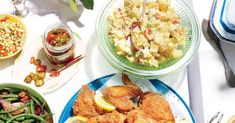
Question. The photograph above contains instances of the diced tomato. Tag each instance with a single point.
(1, 47)
(41, 68)
(50, 37)
(4, 19)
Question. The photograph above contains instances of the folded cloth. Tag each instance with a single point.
(215, 42)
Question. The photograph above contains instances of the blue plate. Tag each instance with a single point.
(178, 106)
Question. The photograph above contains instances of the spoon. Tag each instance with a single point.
(56, 72)
(137, 24)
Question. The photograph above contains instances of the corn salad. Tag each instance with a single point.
(11, 37)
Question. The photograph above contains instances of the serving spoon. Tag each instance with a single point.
(137, 24)
(56, 72)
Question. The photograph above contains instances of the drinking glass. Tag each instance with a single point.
(20, 8)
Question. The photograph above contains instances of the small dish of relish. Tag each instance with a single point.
(59, 44)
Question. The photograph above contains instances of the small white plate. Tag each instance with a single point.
(22, 66)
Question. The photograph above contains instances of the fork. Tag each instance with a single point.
(218, 116)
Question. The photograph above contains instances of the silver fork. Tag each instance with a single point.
(218, 116)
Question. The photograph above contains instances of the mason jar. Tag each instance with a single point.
(62, 53)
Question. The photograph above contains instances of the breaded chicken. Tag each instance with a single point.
(85, 105)
(157, 107)
(113, 117)
(138, 116)
(120, 95)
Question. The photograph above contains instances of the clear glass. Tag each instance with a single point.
(62, 54)
(20, 8)
(188, 20)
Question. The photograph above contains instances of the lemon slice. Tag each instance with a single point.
(232, 119)
(100, 101)
(77, 119)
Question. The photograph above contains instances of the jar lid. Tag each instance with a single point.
(223, 18)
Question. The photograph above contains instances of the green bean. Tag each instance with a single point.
(9, 96)
(9, 115)
(35, 100)
(28, 121)
(11, 99)
(15, 122)
(4, 117)
(1, 121)
(20, 118)
(27, 115)
(10, 111)
(12, 90)
(45, 115)
(28, 110)
(32, 110)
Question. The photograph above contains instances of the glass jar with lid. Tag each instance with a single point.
(59, 44)
(221, 32)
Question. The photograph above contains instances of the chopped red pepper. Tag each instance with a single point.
(41, 68)
(4, 53)
(1, 47)
(4, 19)
(54, 73)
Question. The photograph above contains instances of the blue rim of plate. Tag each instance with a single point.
(97, 83)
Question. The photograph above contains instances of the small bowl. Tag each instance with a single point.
(188, 20)
(14, 18)
(14, 85)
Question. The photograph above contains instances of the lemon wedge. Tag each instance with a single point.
(77, 119)
(232, 119)
(100, 101)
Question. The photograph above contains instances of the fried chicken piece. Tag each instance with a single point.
(157, 107)
(113, 117)
(138, 116)
(120, 95)
(85, 105)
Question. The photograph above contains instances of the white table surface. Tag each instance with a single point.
(93, 66)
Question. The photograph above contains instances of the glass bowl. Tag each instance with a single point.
(188, 20)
